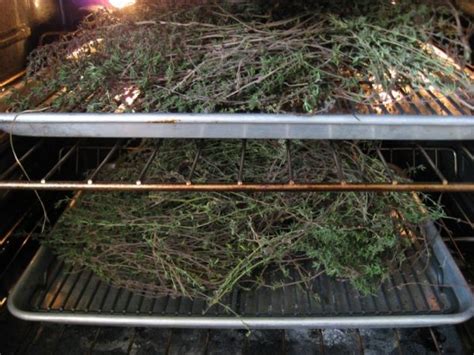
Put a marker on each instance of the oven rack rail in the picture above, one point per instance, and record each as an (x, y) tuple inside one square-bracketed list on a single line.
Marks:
[(431, 157), (423, 293)]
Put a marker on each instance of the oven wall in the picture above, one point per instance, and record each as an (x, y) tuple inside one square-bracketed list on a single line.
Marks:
[(21, 24)]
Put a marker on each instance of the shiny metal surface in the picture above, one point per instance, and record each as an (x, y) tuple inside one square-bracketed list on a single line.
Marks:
[(250, 126), (417, 296), (243, 187)]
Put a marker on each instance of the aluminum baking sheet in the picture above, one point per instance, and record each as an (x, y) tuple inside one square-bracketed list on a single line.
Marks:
[(251, 126), (420, 294)]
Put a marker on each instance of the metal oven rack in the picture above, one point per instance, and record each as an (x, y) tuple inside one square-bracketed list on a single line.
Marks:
[(423, 293), (416, 154)]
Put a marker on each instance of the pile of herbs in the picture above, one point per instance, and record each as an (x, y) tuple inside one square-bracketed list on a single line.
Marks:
[(256, 56), (202, 245)]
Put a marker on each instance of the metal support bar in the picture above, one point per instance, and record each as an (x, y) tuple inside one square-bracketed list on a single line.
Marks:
[(241, 163), (14, 35), (290, 166), (254, 187), (63, 13), (60, 162), (467, 152), (435, 342), (465, 215), (104, 161), (148, 163), (18, 251), (12, 78), (11, 230), (433, 165), (21, 159)]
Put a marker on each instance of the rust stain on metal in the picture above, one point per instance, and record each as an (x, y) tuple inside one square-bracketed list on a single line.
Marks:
[(433, 303), (172, 121)]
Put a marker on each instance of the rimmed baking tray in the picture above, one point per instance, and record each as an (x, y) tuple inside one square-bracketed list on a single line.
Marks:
[(423, 293), (251, 126)]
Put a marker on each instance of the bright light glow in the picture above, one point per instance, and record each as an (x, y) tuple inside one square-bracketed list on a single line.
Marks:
[(120, 4), (428, 47), (437, 51), (126, 98), (385, 98)]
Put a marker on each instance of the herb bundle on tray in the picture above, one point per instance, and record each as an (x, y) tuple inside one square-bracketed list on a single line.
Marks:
[(256, 56), (202, 245)]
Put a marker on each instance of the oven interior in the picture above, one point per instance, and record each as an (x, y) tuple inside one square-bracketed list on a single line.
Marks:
[(37, 173), (57, 291)]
